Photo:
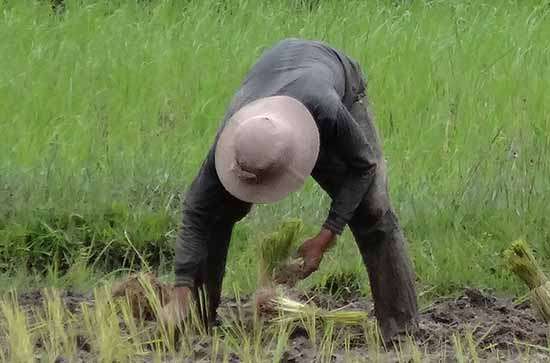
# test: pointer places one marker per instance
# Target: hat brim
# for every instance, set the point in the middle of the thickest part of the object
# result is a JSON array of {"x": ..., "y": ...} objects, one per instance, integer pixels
[{"x": 293, "y": 175}]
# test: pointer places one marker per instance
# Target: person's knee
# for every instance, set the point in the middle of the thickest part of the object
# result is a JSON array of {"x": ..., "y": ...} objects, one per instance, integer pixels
[
  {"x": 375, "y": 210},
  {"x": 379, "y": 227},
  {"x": 370, "y": 212},
  {"x": 375, "y": 204}
]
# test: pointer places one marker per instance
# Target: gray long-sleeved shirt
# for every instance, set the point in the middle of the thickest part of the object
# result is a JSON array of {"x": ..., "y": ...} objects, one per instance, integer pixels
[{"x": 327, "y": 82}]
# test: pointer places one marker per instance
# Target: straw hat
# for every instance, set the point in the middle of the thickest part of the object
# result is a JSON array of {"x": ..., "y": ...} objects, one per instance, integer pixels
[{"x": 267, "y": 149}]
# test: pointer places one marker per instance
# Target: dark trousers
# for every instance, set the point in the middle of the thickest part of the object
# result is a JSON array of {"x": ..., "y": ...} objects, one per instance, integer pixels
[{"x": 375, "y": 228}]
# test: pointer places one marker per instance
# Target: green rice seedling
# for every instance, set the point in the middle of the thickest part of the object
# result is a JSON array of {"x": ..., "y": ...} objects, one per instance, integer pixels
[
  {"x": 327, "y": 345},
  {"x": 275, "y": 249},
  {"x": 282, "y": 335},
  {"x": 407, "y": 350},
  {"x": 16, "y": 330},
  {"x": 344, "y": 317},
  {"x": 340, "y": 283},
  {"x": 461, "y": 355},
  {"x": 137, "y": 333},
  {"x": 55, "y": 319},
  {"x": 522, "y": 262},
  {"x": 347, "y": 348},
  {"x": 373, "y": 340},
  {"x": 246, "y": 340},
  {"x": 472, "y": 346},
  {"x": 416, "y": 353},
  {"x": 102, "y": 328},
  {"x": 216, "y": 343},
  {"x": 152, "y": 294}
]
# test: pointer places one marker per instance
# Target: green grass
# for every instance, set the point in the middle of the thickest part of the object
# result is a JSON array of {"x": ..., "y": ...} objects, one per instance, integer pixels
[{"x": 107, "y": 111}]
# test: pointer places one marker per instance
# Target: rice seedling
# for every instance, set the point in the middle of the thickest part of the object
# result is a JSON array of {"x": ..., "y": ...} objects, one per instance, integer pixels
[
  {"x": 103, "y": 329},
  {"x": 17, "y": 336},
  {"x": 275, "y": 249}
]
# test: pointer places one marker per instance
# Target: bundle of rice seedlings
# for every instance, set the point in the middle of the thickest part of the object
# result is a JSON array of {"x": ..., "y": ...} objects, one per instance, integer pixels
[
  {"x": 291, "y": 310},
  {"x": 275, "y": 249},
  {"x": 522, "y": 262},
  {"x": 277, "y": 267}
]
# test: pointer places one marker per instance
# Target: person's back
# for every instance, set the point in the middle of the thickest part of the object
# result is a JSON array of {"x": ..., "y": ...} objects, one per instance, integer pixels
[{"x": 303, "y": 69}]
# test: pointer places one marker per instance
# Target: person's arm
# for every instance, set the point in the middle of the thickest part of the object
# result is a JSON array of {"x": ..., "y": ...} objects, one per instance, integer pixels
[
  {"x": 192, "y": 240},
  {"x": 359, "y": 155},
  {"x": 203, "y": 199},
  {"x": 191, "y": 245}
]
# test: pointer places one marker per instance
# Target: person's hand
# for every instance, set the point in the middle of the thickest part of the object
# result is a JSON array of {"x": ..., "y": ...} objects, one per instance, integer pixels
[
  {"x": 313, "y": 249},
  {"x": 176, "y": 310}
]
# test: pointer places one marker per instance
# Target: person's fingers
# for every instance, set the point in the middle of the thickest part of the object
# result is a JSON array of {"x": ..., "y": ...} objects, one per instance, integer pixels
[{"x": 311, "y": 265}]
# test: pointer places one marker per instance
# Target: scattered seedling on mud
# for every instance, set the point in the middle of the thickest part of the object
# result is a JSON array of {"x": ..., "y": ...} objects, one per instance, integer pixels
[
  {"x": 105, "y": 329},
  {"x": 296, "y": 311}
]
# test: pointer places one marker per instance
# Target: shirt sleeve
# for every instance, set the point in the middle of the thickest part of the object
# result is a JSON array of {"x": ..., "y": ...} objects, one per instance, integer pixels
[
  {"x": 203, "y": 198},
  {"x": 360, "y": 158}
]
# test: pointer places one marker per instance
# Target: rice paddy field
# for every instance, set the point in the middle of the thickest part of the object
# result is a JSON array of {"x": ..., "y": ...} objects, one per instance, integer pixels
[{"x": 107, "y": 109}]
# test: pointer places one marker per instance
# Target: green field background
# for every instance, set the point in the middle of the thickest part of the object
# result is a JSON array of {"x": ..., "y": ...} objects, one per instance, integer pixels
[{"x": 107, "y": 111}]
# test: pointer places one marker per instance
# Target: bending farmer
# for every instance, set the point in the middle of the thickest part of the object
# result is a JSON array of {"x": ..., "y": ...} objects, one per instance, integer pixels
[{"x": 302, "y": 110}]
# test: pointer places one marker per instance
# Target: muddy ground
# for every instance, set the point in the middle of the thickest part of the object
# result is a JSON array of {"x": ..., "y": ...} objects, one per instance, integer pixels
[{"x": 496, "y": 324}]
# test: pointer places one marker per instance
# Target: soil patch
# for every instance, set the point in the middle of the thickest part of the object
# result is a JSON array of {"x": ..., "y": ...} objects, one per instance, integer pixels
[{"x": 495, "y": 324}]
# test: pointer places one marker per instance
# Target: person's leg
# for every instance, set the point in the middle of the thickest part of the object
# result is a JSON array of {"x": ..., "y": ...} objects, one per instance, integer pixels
[
  {"x": 391, "y": 275},
  {"x": 378, "y": 236},
  {"x": 381, "y": 243},
  {"x": 380, "y": 239}
]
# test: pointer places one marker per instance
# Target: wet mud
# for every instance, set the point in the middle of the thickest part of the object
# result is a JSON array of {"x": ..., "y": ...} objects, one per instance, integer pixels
[{"x": 496, "y": 325}]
